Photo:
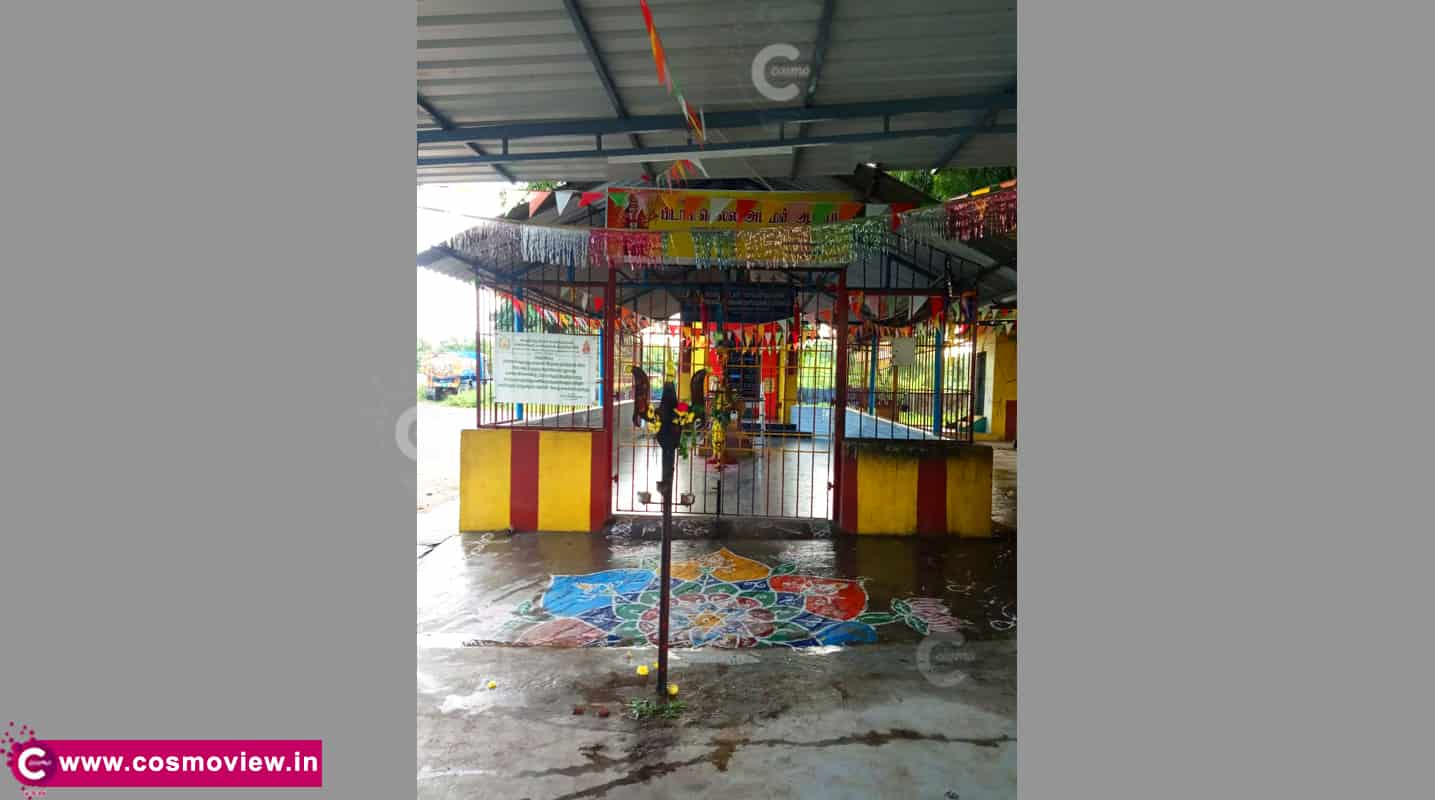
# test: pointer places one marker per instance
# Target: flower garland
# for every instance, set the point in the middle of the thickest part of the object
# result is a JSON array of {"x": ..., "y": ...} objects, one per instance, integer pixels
[{"x": 683, "y": 416}]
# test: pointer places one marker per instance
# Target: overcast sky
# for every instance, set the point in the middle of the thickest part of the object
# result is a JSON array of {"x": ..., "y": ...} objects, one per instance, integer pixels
[{"x": 445, "y": 305}]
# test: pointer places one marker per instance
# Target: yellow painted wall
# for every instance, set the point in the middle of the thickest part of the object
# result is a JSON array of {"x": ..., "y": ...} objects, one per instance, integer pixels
[
  {"x": 565, "y": 464},
  {"x": 1001, "y": 384},
  {"x": 698, "y": 360},
  {"x": 886, "y": 494},
  {"x": 483, "y": 486},
  {"x": 969, "y": 492}
]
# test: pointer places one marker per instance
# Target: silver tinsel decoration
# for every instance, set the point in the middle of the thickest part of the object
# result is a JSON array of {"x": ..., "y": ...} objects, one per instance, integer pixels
[
  {"x": 494, "y": 244},
  {"x": 561, "y": 246}
]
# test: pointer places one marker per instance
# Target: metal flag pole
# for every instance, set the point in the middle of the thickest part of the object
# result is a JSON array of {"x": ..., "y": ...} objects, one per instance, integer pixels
[{"x": 668, "y": 436}]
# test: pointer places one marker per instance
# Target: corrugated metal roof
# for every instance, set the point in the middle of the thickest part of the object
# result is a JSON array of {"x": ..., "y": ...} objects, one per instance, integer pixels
[{"x": 503, "y": 61}]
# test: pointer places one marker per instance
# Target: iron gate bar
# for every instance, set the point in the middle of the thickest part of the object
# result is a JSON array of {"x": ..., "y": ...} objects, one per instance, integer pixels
[
  {"x": 797, "y": 459},
  {"x": 839, "y": 421},
  {"x": 610, "y": 327},
  {"x": 492, "y": 414}
]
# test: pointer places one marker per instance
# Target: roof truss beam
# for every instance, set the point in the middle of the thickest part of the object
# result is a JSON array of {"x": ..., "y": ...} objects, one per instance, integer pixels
[
  {"x": 769, "y": 117},
  {"x": 446, "y": 124},
  {"x": 819, "y": 54},
  {"x": 715, "y": 151},
  {"x": 575, "y": 14},
  {"x": 988, "y": 119}
]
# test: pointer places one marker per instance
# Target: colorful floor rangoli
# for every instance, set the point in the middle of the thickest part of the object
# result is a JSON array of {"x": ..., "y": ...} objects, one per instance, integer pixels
[{"x": 719, "y": 600}]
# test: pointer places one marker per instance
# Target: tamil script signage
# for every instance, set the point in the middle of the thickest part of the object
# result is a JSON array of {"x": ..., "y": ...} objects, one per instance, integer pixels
[
  {"x": 746, "y": 303},
  {"x": 551, "y": 368}
]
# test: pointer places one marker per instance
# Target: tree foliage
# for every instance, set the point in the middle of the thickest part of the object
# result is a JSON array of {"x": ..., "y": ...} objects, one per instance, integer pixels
[
  {"x": 944, "y": 184},
  {"x": 503, "y": 321}
]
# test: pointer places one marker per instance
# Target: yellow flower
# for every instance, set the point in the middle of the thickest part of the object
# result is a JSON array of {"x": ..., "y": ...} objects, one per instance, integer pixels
[
  {"x": 672, "y": 690},
  {"x": 643, "y": 669},
  {"x": 493, "y": 684}
]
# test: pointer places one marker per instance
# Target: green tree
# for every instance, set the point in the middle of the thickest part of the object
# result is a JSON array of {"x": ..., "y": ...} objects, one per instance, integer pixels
[
  {"x": 455, "y": 344},
  {"x": 531, "y": 186},
  {"x": 944, "y": 184},
  {"x": 503, "y": 321}
]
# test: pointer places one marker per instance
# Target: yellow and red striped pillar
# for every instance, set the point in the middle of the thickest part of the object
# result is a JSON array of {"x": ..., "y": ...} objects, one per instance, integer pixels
[
  {"x": 534, "y": 480},
  {"x": 942, "y": 492}
]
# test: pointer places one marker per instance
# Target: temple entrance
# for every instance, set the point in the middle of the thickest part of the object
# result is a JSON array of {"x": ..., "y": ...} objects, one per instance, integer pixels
[{"x": 765, "y": 372}]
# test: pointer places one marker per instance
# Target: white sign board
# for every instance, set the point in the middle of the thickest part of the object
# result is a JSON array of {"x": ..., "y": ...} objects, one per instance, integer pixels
[
  {"x": 551, "y": 368},
  {"x": 904, "y": 351}
]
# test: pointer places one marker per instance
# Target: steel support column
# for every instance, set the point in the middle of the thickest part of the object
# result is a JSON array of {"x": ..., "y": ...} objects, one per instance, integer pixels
[
  {"x": 518, "y": 328},
  {"x": 609, "y": 351},
  {"x": 478, "y": 352},
  {"x": 872, "y": 374},
  {"x": 937, "y": 391},
  {"x": 839, "y": 413}
]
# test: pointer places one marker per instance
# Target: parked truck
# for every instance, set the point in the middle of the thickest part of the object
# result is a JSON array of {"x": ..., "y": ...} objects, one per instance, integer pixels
[{"x": 449, "y": 373}]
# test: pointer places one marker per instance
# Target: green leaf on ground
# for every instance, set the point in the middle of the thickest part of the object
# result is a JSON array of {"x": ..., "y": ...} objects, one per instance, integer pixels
[{"x": 643, "y": 708}]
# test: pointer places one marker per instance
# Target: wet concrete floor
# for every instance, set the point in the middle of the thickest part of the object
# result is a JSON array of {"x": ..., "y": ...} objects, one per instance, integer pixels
[{"x": 886, "y": 720}]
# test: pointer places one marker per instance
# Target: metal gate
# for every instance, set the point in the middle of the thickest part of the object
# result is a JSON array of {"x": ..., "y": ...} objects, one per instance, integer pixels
[
  {"x": 912, "y": 381},
  {"x": 777, "y": 460}
]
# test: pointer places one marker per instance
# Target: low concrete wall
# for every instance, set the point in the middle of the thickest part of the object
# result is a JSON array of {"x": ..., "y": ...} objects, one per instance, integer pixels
[
  {"x": 533, "y": 480},
  {"x": 928, "y": 487}
]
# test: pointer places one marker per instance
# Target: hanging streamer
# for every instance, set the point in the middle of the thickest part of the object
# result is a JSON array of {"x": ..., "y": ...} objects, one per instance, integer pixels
[
  {"x": 501, "y": 244},
  {"x": 554, "y": 245},
  {"x": 618, "y": 246},
  {"x": 979, "y": 217}
]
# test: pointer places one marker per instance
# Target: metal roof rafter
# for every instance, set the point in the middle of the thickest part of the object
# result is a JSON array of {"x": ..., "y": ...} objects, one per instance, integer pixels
[
  {"x": 770, "y": 117},
  {"x": 447, "y": 124},
  {"x": 734, "y": 148},
  {"x": 819, "y": 55},
  {"x": 988, "y": 120},
  {"x": 575, "y": 14}
]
